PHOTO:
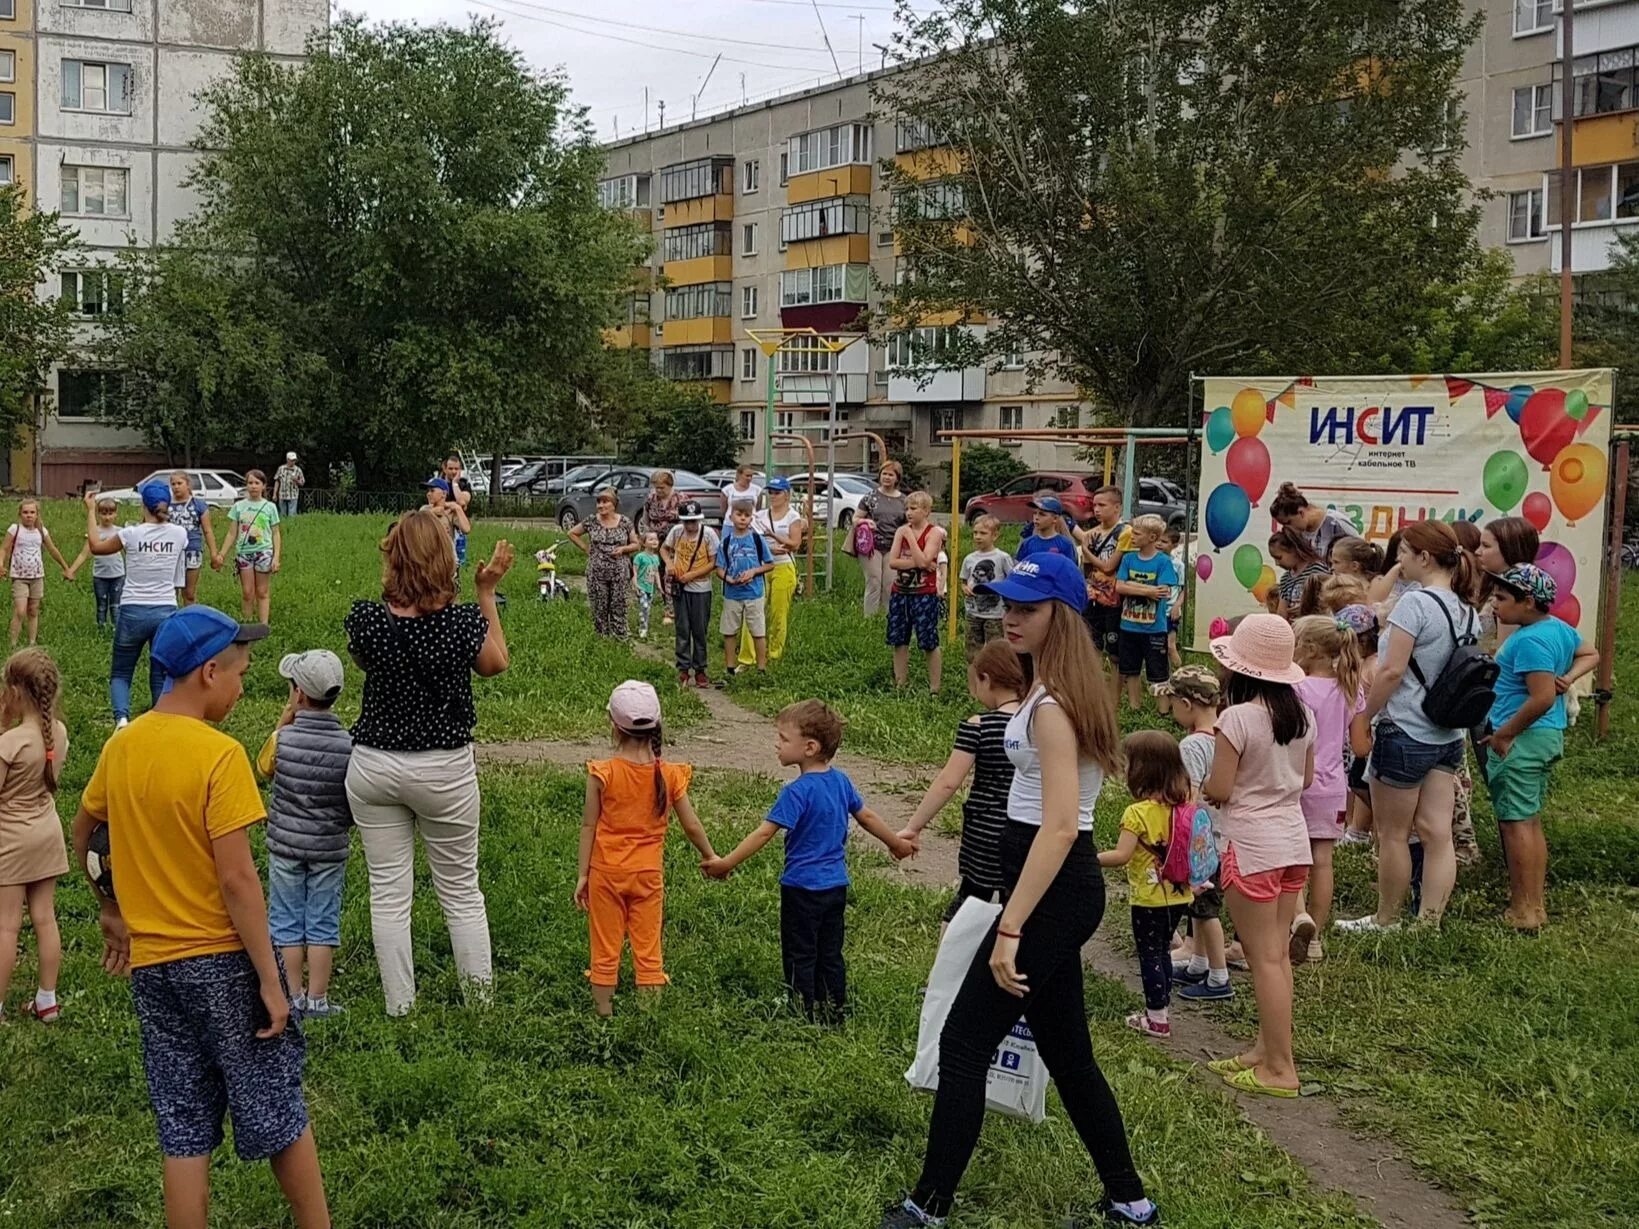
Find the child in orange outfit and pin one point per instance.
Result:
(623, 840)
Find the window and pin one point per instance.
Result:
(1533, 111)
(8, 66)
(748, 302)
(804, 356)
(928, 347)
(708, 299)
(8, 107)
(914, 134)
(1594, 195)
(93, 292)
(1602, 194)
(1013, 360)
(879, 366)
(840, 215)
(87, 394)
(748, 425)
(1525, 216)
(835, 146)
(697, 362)
(785, 420)
(692, 242)
(8, 10)
(1011, 418)
(1602, 83)
(92, 86)
(5, 169)
(825, 284)
(624, 192)
(748, 363)
(884, 238)
(1533, 16)
(785, 169)
(939, 199)
(689, 180)
(748, 239)
(943, 418)
(94, 191)
(112, 6)
(750, 171)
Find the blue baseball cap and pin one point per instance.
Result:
(193, 635)
(1040, 578)
(438, 484)
(155, 495)
(1048, 503)
(779, 484)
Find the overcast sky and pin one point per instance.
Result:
(612, 49)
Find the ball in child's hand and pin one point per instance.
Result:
(98, 861)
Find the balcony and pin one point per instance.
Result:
(698, 191)
(919, 353)
(803, 375)
(629, 337)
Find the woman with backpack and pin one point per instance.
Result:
(1430, 681)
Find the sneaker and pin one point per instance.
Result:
(684, 678)
(1367, 925)
(702, 680)
(121, 724)
(1205, 992)
(1140, 1022)
(1182, 975)
(1303, 930)
(906, 1215)
(298, 1001)
(1354, 836)
(1316, 952)
(1109, 1214)
(323, 1009)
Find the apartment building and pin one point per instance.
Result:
(97, 106)
(772, 216)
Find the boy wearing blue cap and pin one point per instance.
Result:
(1047, 526)
(441, 502)
(178, 799)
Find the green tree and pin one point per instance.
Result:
(1606, 319)
(1155, 188)
(410, 225)
(984, 468)
(34, 333)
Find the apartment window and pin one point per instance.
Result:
(112, 6)
(939, 200)
(840, 215)
(911, 135)
(1011, 418)
(1533, 16)
(708, 299)
(750, 173)
(697, 362)
(92, 86)
(94, 191)
(748, 425)
(748, 363)
(785, 169)
(1013, 360)
(5, 169)
(944, 418)
(8, 66)
(825, 284)
(748, 302)
(87, 394)
(748, 239)
(8, 10)
(693, 242)
(879, 367)
(785, 420)
(929, 347)
(688, 181)
(1533, 111)
(8, 107)
(1602, 194)
(804, 356)
(93, 292)
(884, 238)
(838, 145)
(624, 192)
(1602, 84)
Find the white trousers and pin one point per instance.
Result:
(394, 794)
(878, 581)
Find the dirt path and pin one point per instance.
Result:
(1368, 1169)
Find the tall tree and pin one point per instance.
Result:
(34, 332)
(1151, 188)
(409, 221)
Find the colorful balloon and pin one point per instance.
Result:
(1505, 479)
(1577, 480)
(1266, 582)
(1203, 567)
(1248, 565)
(1544, 426)
(1538, 509)
(1567, 609)
(1248, 467)
(1220, 429)
(1248, 412)
(1227, 511)
(1517, 397)
(1559, 563)
(1576, 405)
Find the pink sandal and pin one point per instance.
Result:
(1140, 1022)
(45, 1015)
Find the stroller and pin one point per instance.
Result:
(547, 583)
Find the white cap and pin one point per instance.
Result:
(317, 673)
(290, 456)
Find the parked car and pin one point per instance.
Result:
(631, 483)
(524, 476)
(721, 478)
(1011, 503)
(1164, 498)
(580, 474)
(837, 512)
(220, 488)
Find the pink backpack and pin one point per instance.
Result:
(864, 540)
(1189, 858)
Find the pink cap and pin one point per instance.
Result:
(634, 706)
(1261, 647)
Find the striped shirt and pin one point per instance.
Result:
(984, 813)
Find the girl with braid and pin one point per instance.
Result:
(32, 852)
(623, 841)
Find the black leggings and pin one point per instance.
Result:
(1050, 959)
(1153, 927)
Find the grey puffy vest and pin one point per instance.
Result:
(308, 816)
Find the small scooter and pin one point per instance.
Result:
(547, 583)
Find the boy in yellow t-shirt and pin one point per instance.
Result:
(191, 927)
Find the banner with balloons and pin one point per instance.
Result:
(1385, 450)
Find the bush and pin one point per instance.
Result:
(984, 468)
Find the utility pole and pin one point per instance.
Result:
(1567, 185)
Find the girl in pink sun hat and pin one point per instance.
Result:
(1263, 761)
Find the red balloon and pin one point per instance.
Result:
(1247, 465)
(1538, 509)
(1568, 610)
(1544, 426)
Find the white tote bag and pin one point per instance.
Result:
(1017, 1082)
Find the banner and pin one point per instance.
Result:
(1387, 450)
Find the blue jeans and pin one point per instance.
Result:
(133, 629)
(287, 508)
(108, 590)
(304, 901)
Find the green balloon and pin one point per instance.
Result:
(1220, 429)
(1248, 565)
(1576, 405)
(1505, 480)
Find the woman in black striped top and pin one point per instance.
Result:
(997, 679)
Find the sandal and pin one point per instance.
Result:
(45, 1015)
(1227, 1066)
(1247, 1080)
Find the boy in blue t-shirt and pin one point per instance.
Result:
(1047, 535)
(1538, 664)
(742, 558)
(813, 812)
(1144, 580)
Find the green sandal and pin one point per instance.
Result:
(1226, 1066)
(1247, 1081)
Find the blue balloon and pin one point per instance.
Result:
(1517, 397)
(1227, 511)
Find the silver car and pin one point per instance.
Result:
(631, 484)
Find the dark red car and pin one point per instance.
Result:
(1011, 504)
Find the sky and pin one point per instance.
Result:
(612, 49)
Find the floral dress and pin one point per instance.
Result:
(608, 575)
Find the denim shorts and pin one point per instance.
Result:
(198, 1018)
(304, 901)
(1404, 762)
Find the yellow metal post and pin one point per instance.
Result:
(1109, 463)
(953, 583)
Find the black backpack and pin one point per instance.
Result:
(1460, 697)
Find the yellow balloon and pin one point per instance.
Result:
(1266, 582)
(1577, 480)
(1248, 412)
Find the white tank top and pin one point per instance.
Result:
(1024, 797)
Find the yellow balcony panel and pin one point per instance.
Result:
(643, 217)
(939, 163)
(21, 86)
(700, 209)
(628, 337)
(707, 330)
(853, 180)
(832, 250)
(722, 391)
(1601, 139)
(700, 269)
(939, 320)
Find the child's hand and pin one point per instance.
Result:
(910, 834)
(901, 849)
(278, 1010)
(116, 942)
(714, 869)
(583, 900)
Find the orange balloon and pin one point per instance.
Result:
(1576, 480)
(1266, 582)
(1248, 412)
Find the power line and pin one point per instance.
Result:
(628, 25)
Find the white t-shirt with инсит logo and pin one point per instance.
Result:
(155, 563)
